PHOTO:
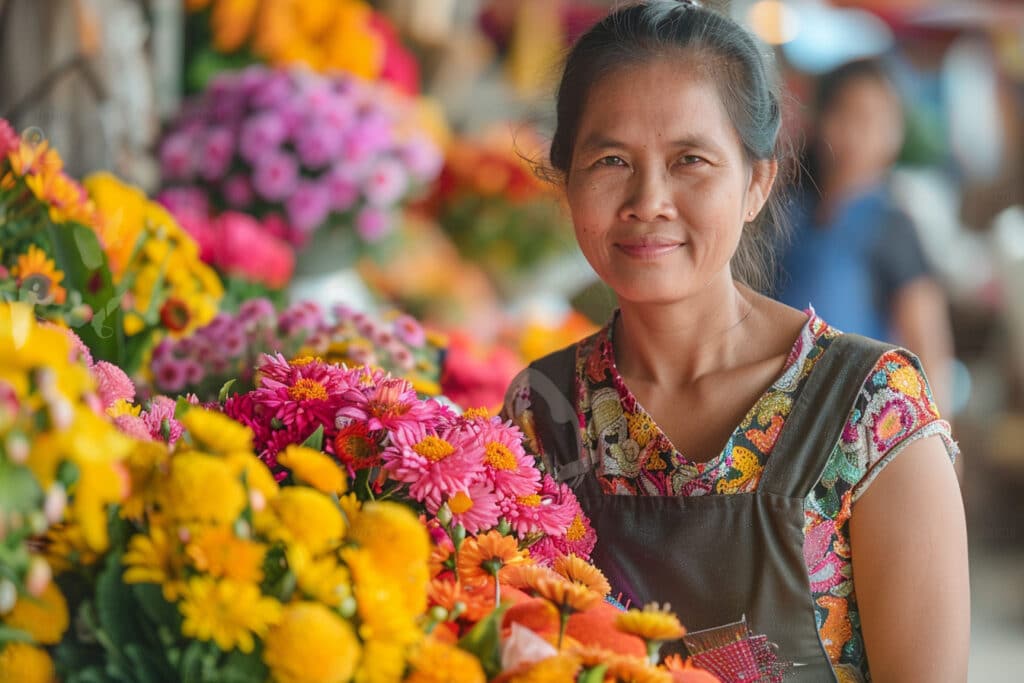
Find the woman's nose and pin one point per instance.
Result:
(649, 199)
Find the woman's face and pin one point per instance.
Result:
(862, 129)
(659, 186)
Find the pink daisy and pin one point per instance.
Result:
(476, 508)
(392, 405)
(409, 331)
(302, 394)
(511, 471)
(543, 511)
(436, 465)
(161, 408)
(133, 426)
(579, 537)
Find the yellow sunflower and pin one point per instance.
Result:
(227, 612)
(38, 273)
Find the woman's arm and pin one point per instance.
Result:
(908, 540)
(920, 321)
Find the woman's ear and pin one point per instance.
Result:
(762, 178)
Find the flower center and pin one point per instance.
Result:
(386, 409)
(460, 503)
(577, 530)
(434, 448)
(533, 500)
(307, 389)
(174, 314)
(355, 448)
(302, 360)
(498, 456)
(476, 414)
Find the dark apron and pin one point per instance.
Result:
(717, 558)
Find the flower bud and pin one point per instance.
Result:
(444, 515)
(39, 575)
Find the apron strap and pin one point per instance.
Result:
(552, 383)
(818, 417)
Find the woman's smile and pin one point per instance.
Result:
(649, 247)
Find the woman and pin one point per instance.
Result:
(738, 458)
(855, 256)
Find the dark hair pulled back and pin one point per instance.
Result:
(741, 68)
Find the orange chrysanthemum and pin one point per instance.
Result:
(635, 670)
(652, 623)
(525, 576)
(566, 596)
(472, 605)
(485, 557)
(578, 570)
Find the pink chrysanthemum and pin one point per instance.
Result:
(161, 408)
(133, 426)
(511, 471)
(476, 508)
(392, 405)
(302, 394)
(544, 511)
(579, 539)
(112, 384)
(436, 465)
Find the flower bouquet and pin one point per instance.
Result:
(324, 35)
(301, 152)
(497, 211)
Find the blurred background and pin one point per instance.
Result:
(228, 112)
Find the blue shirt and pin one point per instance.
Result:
(850, 268)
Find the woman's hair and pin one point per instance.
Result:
(743, 71)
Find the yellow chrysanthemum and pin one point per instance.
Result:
(350, 507)
(435, 661)
(147, 465)
(38, 272)
(383, 661)
(155, 558)
(202, 488)
(66, 547)
(257, 477)
(307, 517)
(314, 468)
(218, 552)
(561, 667)
(216, 433)
(392, 534)
(122, 407)
(578, 570)
(23, 663)
(227, 612)
(44, 618)
(311, 644)
(322, 580)
(652, 623)
(388, 608)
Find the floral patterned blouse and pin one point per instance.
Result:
(894, 408)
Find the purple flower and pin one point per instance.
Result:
(372, 223)
(371, 135)
(276, 175)
(252, 78)
(253, 310)
(342, 187)
(423, 158)
(386, 183)
(275, 90)
(193, 372)
(185, 200)
(261, 132)
(176, 158)
(216, 156)
(238, 191)
(233, 343)
(317, 145)
(170, 374)
(309, 206)
(409, 331)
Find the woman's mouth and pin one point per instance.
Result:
(648, 249)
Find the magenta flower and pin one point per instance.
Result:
(386, 184)
(161, 409)
(409, 331)
(185, 199)
(538, 511)
(579, 536)
(133, 426)
(112, 384)
(343, 189)
(373, 224)
(261, 133)
(317, 145)
(169, 374)
(176, 157)
(302, 395)
(217, 149)
(370, 136)
(435, 464)
(276, 175)
(309, 206)
(9, 139)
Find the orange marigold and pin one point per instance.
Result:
(578, 570)
(487, 556)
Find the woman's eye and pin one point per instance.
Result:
(611, 160)
(690, 159)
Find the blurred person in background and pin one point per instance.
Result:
(854, 256)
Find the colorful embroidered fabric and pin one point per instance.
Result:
(895, 408)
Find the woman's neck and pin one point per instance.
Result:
(677, 343)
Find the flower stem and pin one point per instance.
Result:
(653, 647)
(564, 619)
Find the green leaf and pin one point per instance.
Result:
(595, 675)
(19, 491)
(316, 439)
(14, 635)
(484, 640)
(181, 407)
(77, 253)
(222, 395)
